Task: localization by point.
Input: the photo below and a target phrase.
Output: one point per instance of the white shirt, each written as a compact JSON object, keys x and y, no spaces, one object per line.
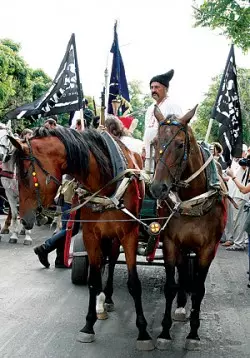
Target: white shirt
{"x":133,"y":144}
{"x":233,"y":190}
{"x":151,"y":124}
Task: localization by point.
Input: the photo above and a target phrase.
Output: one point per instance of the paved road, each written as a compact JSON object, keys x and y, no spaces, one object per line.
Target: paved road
{"x":41,"y":311}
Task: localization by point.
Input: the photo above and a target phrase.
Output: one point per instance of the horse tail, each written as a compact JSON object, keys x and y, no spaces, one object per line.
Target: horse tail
{"x":189,"y":271}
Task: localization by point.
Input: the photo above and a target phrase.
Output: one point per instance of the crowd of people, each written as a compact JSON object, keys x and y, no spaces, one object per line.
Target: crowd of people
{"x":237,"y":178}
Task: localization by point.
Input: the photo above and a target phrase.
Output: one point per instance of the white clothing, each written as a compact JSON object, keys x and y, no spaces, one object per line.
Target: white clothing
{"x":233,"y":190}
{"x":151,"y":127}
{"x":151,"y":124}
{"x":236,"y":217}
{"x":133,"y":144}
{"x":74,"y":119}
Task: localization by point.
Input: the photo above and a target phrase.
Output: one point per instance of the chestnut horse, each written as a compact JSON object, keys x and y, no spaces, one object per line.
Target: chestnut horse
{"x":189,"y":242}
{"x":50,"y":154}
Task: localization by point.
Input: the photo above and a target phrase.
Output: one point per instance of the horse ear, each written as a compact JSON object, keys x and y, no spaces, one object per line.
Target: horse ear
{"x":16,"y":143}
{"x":158,"y":115}
{"x":188,"y":116}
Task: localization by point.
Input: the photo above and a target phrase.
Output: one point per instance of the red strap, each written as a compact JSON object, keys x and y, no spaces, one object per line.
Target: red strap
{"x":6,"y":174}
{"x":151,"y":257}
{"x":69,"y":230}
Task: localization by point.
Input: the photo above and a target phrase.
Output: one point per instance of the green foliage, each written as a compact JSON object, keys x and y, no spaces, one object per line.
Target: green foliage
{"x":40,"y":83}
{"x":200,"y":125}
{"x":139,"y":102}
{"x":19,"y":83}
{"x":231,"y":16}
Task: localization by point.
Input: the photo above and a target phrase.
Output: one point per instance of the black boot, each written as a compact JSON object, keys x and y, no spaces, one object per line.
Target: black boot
{"x":59,"y":262}
{"x":42,"y":254}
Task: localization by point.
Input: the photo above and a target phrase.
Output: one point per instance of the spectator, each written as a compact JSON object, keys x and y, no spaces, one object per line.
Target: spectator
{"x":26,"y":134}
{"x":239,"y":188}
{"x":115,"y":126}
{"x":50,"y":122}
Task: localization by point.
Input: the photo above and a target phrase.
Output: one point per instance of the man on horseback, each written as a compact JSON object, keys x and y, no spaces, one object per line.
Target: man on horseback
{"x":159,"y":86}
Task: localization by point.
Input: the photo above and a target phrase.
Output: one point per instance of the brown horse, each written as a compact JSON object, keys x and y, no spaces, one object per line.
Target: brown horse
{"x":189,"y":242}
{"x":41,"y":162}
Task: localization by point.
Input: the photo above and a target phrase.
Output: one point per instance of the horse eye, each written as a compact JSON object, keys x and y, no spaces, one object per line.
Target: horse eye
{"x":180,"y":146}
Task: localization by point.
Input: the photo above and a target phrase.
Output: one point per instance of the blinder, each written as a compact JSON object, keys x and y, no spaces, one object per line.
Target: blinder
{"x":176,"y":176}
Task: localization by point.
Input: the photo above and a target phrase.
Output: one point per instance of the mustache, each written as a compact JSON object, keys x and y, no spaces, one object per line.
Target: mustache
{"x":154,"y":93}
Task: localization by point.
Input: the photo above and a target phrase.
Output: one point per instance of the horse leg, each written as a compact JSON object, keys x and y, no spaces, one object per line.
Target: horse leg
{"x":108,"y":290}
{"x":87,"y":334}
{"x":14,"y":225}
{"x":193,"y":340}
{"x":27,"y":239}
{"x":170,"y":290}
{"x":130,"y":244}
{"x":180,"y":312}
{"x":5,"y":229}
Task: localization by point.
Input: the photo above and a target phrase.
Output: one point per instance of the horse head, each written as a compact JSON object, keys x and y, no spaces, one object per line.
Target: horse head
{"x":42,"y":160}
{"x":171,"y":152}
{"x":39,"y":173}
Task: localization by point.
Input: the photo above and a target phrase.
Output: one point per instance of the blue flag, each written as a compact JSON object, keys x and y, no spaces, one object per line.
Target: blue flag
{"x":118,"y":87}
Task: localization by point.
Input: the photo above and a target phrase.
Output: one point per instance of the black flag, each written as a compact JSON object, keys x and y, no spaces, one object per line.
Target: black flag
{"x":62,"y":97}
{"x":228,"y":113}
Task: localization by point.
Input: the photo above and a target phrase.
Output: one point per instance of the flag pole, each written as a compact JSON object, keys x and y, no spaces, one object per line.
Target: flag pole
{"x":79,"y":86}
{"x":106,"y":76}
{"x":209,"y":129}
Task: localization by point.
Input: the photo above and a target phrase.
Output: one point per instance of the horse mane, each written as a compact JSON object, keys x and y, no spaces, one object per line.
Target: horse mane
{"x":77,"y":146}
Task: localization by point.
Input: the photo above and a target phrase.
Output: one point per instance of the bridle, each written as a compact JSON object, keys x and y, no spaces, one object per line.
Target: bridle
{"x":176,"y":175}
{"x":40,"y":211}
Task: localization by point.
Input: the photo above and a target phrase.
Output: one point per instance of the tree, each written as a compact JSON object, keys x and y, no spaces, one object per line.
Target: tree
{"x":19,"y":83}
{"x":205,"y":109}
{"x":139,"y":102}
{"x":231,"y":16}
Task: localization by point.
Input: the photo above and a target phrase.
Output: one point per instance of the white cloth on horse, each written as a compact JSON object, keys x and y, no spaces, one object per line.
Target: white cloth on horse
{"x":151,"y":124}
{"x":11,"y":184}
{"x":133,"y":144}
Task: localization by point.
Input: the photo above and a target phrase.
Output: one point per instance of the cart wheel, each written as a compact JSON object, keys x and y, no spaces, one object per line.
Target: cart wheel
{"x":80,"y":264}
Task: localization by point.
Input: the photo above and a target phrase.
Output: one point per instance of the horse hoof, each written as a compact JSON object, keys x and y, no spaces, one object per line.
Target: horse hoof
{"x":85,"y":337}
{"x":192,"y":344}
{"x":163,"y":344}
{"x":27,"y":242}
{"x":110,"y":307}
{"x":180,"y":314}
{"x":102,"y":315}
{"x":145,"y":345}
{"x":12,"y":241}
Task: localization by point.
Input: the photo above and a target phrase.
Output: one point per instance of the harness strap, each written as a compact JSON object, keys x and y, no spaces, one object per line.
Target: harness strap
{"x":194,"y":175}
{"x":114,"y":180}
